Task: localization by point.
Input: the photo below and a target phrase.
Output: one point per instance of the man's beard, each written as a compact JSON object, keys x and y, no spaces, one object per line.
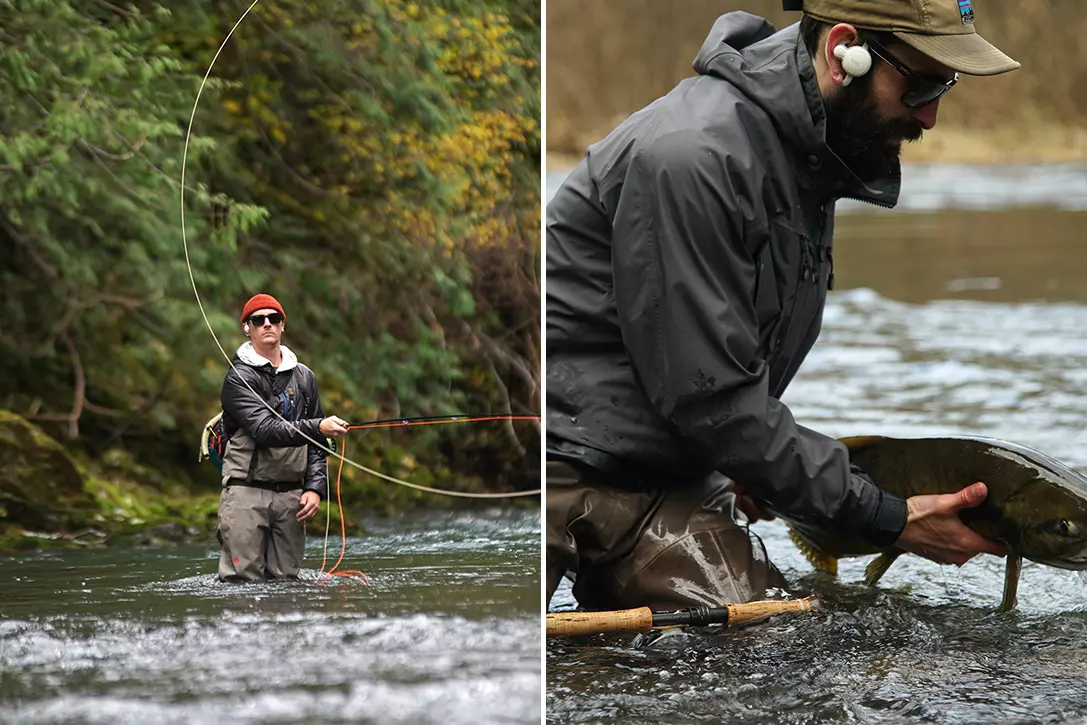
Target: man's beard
{"x":868,"y":143}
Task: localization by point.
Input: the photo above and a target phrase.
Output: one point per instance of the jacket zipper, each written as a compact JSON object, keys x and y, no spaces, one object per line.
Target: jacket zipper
{"x":825,"y":247}
{"x":868,"y":201}
{"x":810,"y":266}
{"x":830,"y":252}
{"x":803,"y":276}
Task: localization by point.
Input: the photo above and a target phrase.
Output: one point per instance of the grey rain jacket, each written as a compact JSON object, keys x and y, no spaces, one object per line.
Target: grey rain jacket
{"x":282,"y":453}
{"x":688,"y":260}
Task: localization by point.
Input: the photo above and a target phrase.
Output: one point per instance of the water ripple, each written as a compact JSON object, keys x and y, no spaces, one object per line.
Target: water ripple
{"x":447,"y":633}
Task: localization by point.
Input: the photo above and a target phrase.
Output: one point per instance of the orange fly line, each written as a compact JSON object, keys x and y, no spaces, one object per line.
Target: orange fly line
{"x":324,"y":576}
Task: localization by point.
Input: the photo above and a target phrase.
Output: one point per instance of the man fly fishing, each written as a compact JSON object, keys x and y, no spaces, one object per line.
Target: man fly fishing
{"x":688,"y":260}
{"x":274,"y":477}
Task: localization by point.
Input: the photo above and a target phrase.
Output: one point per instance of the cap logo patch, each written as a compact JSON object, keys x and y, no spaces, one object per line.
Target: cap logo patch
{"x":966,"y":12}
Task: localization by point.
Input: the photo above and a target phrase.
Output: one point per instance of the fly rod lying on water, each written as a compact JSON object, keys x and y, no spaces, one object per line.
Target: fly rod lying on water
{"x":643,"y":619}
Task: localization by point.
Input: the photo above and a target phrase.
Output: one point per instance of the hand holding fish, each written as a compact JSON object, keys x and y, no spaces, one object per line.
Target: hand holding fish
{"x":935,"y":531}
{"x":1034,"y":504}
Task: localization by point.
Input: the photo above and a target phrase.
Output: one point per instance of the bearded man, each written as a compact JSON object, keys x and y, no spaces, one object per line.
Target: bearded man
{"x":688,"y":261}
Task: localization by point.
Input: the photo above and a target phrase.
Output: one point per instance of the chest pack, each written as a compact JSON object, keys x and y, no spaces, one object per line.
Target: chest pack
{"x":213,"y":442}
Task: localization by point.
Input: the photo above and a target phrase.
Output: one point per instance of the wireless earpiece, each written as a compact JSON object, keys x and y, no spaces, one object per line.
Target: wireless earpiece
{"x":246,"y":328}
{"x":856,"y":60}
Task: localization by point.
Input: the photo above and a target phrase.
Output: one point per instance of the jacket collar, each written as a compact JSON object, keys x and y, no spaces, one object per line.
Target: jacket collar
{"x":248,"y":355}
{"x":822,"y":168}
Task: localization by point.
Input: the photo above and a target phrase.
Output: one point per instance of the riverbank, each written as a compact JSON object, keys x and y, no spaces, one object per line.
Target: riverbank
{"x":598,"y":74}
{"x":53,"y":497}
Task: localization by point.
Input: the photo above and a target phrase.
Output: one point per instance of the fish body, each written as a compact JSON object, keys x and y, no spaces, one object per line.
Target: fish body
{"x":1036,"y":505}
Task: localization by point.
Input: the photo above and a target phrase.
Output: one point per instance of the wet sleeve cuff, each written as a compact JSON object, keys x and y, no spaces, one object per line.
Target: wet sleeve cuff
{"x":881,"y":516}
{"x":887,"y":521}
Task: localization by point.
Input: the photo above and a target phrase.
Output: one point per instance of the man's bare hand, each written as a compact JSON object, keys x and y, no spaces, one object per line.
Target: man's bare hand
{"x":935,"y":531}
{"x":333,"y":426}
{"x":309,"y":505}
{"x":750,"y":507}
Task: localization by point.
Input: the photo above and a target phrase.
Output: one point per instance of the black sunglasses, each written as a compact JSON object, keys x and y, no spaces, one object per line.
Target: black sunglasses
{"x":258,"y":320}
{"x":921,"y":89}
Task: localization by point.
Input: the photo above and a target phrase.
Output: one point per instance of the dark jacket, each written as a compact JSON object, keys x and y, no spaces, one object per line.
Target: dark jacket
{"x":261,"y":447}
{"x":688,"y":260}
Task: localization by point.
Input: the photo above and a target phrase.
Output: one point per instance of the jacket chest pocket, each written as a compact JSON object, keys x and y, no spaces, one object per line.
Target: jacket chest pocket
{"x":785,"y":268}
{"x":810,"y":276}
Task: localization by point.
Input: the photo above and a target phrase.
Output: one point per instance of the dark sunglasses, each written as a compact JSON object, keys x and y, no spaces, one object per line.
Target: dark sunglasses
{"x":921,"y":89}
{"x":258,"y":320}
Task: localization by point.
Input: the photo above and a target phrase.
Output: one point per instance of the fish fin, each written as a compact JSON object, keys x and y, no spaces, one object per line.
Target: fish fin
{"x":879,"y":566}
{"x":1011,"y":582}
{"x":822,"y":562}
{"x":859,"y":443}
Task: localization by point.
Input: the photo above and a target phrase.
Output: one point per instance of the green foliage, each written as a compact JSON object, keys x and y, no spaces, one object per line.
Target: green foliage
{"x":90,"y":146}
{"x":372,"y":163}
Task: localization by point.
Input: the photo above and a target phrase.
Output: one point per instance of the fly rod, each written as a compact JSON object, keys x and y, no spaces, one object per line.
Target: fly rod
{"x":643,"y":619}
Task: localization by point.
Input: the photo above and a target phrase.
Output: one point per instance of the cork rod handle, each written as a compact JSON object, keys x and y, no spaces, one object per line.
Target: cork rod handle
{"x":564,"y":624}
{"x":753,"y":610}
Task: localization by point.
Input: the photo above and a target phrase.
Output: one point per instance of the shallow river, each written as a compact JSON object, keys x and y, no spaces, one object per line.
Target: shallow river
{"x":447,"y":632}
{"x":963,"y":313}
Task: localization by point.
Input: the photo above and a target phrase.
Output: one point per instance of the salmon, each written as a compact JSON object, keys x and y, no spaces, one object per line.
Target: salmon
{"x":1036,"y":505}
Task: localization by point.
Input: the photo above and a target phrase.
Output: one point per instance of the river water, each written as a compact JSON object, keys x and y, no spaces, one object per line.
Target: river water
{"x":447,"y":632}
{"x":963,"y":312}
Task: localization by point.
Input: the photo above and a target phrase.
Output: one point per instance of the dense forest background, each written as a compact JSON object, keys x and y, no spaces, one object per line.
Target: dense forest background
{"x":608,"y":58}
{"x":374,"y":164}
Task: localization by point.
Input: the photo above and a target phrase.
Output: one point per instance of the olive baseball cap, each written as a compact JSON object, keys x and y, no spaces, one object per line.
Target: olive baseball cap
{"x":941,"y":29}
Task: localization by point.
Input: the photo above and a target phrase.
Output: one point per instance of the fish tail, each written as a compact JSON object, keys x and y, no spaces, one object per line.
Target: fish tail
{"x":822,"y":562}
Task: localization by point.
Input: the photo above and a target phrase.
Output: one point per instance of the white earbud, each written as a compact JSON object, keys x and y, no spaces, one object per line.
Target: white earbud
{"x":856,"y":60}
{"x":246,"y":328}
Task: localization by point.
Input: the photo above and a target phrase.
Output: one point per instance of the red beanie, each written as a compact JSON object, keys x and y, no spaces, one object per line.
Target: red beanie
{"x":260,"y":302}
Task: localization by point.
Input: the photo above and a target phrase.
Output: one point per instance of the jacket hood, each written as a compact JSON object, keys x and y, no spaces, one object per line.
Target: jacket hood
{"x":248,"y":355}
{"x":774,"y":70}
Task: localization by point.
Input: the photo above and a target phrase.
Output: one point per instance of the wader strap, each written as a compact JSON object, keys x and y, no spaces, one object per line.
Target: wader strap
{"x":252,"y":464}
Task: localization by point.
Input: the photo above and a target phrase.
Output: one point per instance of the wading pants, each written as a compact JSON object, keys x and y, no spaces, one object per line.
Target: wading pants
{"x":659,"y":546}
{"x":260,"y":534}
